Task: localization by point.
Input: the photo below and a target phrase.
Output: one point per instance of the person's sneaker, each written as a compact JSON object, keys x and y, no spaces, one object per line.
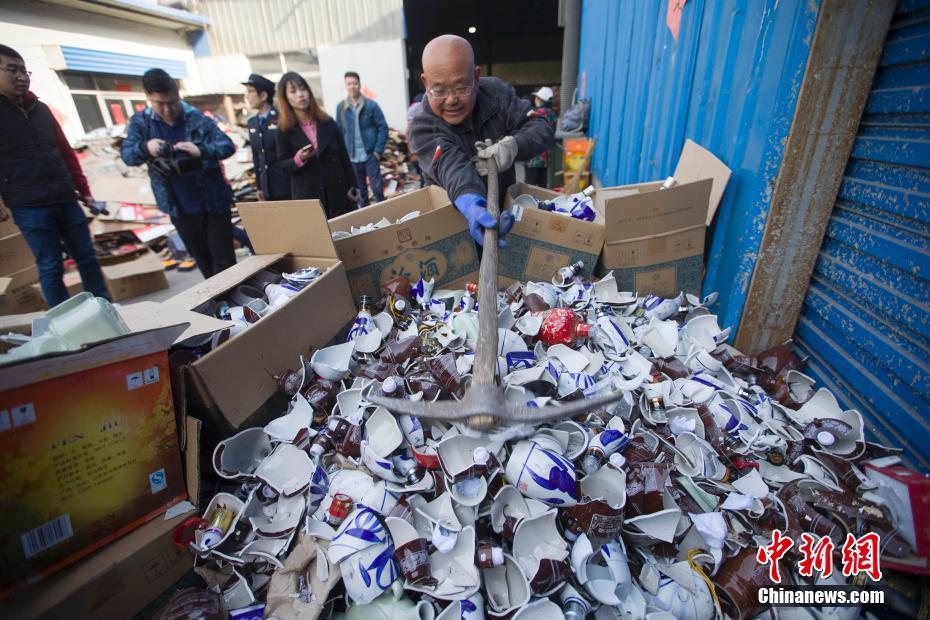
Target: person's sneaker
{"x":187,"y":265}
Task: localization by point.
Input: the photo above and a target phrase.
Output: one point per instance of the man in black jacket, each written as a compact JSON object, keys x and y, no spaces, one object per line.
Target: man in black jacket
{"x":273,"y":183}
{"x":461,"y":112}
{"x":41,"y":181}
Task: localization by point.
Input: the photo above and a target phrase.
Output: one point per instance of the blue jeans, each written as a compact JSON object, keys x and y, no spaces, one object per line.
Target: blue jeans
{"x":371,"y":169}
{"x":47,"y":230}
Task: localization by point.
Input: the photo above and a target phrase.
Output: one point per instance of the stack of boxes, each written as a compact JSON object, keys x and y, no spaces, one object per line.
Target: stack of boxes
{"x":18,"y":272}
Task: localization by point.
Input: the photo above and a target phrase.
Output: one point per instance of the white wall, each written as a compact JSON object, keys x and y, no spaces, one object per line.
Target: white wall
{"x":383,"y":68}
{"x":27,"y":27}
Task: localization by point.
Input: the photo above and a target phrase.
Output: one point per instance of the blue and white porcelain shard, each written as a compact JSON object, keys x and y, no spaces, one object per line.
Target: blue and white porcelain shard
{"x":369,"y":572}
{"x":455,"y":574}
{"x":363,"y":528}
{"x":541,"y":474}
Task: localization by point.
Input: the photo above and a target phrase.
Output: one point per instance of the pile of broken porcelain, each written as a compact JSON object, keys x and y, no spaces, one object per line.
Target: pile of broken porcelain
{"x":652,"y":507}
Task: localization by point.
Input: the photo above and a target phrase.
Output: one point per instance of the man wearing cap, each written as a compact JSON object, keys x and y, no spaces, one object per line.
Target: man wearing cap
{"x":537,"y":168}
{"x":273,"y":183}
{"x":462,"y":112}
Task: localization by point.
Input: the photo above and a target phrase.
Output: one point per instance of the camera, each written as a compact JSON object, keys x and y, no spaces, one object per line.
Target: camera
{"x":170,"y":162}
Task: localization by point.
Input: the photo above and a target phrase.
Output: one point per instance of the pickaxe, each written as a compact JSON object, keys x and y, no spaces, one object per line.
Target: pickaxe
{"x":484,"y":406}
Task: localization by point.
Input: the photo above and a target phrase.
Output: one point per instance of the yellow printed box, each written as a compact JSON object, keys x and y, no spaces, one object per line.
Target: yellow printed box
{"x":88,"y":452}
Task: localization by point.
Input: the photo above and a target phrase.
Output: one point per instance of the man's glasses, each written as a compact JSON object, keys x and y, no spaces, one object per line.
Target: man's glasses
{"x":442,"y":93}
{"x":14,"y":69}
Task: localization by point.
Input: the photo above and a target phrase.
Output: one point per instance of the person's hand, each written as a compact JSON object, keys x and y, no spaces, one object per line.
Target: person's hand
{"x":354,"y":195}
{"x":188,"y":147}
{"x":305,"y":153}
{"x":475,"y":209}
{"x":153,"y":146}
{"x":504,"y":152}
{"x":261,"y":196}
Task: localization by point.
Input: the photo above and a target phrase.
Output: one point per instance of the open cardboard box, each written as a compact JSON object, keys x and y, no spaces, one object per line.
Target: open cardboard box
{"x":435,"y":244}
{"x":654,"y":238}
{"x":237,"y":377}
{"x":541,"y":242}
{"x":91,"y":444}
{"x":127,"y":275}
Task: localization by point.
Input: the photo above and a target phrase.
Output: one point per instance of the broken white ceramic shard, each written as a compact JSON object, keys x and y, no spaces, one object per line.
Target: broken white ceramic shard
{"x":295,"y":426}
{"x":661,"y":337}
{"x":288,"y":470}
{"x":240,"y":455}
{"x":333,"y":362}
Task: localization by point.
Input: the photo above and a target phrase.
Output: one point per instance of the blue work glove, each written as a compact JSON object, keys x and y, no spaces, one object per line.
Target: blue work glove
{"x":475,"y":209}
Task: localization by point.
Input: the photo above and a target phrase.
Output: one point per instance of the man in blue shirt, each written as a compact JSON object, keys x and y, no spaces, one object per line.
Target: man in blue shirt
{"x":365,"y":132}
{"x":183,"y":150}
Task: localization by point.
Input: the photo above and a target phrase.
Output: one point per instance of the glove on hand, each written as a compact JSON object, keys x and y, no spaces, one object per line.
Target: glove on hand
{"x":504,"y":151}
{"x":475,"y":209}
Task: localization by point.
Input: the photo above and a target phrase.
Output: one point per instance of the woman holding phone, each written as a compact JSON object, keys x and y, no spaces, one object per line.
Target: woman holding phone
{"x":311,"y":150}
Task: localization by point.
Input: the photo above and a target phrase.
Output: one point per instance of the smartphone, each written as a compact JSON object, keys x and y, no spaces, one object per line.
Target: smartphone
{"x":308,"y":148}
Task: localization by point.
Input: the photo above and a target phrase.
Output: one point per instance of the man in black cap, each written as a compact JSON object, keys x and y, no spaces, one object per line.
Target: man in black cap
{"x":273,"y":183}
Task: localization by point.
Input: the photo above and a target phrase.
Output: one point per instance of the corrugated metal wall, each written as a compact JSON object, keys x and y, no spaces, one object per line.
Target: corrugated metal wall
{"x":254,"y":27}
{"x":730,"y":83}
{"x":866,"y":318}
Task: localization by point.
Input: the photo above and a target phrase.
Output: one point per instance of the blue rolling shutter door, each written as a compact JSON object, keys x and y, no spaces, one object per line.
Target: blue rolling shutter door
{"x":866,"y":318}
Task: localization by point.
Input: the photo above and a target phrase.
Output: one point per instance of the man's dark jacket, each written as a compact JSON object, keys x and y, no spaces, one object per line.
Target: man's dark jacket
{"x":214,"y":146}
{"x":272,"y":181}
{"x":445,"y":151}
{"x":33,"y":171}
{"x":327,"y":176}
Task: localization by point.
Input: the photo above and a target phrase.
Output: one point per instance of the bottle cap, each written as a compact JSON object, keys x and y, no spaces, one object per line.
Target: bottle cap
{"x":582,"y":330}
{"x":400,"y":305}
{"x":825,"y":438}
{"x":616,"y":459}
{"x":389,"y":386}
{"x":497,"y":556}
{"x":341,"y":506}
{"x":481,"y":455}
{"x":471,"y":287}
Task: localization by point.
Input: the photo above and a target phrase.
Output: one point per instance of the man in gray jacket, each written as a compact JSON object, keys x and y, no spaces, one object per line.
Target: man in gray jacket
{"x":466,"y":119}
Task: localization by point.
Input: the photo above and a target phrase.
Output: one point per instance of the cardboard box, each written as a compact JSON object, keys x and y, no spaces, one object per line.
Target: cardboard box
{"x":7,"y":225}
{"x":435,"y":244}
{"x":15,"y":254}
{"x":237,"y":377}
{"x":23,"y":294}
{"x":90,"y":451}
{"x":134,"y":274}
{"x":541,"y":242}
{"x":654,"y":238}
{"x":116,"y":582}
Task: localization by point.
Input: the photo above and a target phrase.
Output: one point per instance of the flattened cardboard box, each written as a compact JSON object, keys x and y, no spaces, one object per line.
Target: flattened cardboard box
{"x":23,"y":294}
{"x":15,"y":254}
{"x":7,"y":225}
{"x":435,"y":244}
{"x":654,"y":238}
{"x":237,"y":377}
{"x":541,"y":242}
{"x":91,"y":451}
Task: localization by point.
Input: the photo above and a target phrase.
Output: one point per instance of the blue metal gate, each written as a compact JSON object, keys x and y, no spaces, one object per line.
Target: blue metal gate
{"x":866,"y":318}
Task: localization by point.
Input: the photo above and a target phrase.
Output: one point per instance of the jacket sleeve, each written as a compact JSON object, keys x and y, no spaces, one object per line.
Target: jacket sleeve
{"x":442,"y":159}
{"x":381,"y":140}
{"x":285,"y":153}
{"x":339,"y":110}
{"x":133,"y":151}
{"x":533,"y":133}
{"x":215,"y":145}
{"x":71,"y":161}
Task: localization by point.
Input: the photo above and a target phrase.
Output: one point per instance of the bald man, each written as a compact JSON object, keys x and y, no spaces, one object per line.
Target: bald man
{"x":465,"y":120}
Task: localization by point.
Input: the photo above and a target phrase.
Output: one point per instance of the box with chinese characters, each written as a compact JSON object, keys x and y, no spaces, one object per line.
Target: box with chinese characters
{"x":89,"y":450}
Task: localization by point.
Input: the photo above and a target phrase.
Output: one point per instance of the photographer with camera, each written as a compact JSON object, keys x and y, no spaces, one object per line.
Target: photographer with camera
{"x":183,"y":150}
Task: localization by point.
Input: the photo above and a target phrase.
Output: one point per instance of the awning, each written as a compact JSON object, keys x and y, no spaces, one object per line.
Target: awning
{"x":99,"y":61}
